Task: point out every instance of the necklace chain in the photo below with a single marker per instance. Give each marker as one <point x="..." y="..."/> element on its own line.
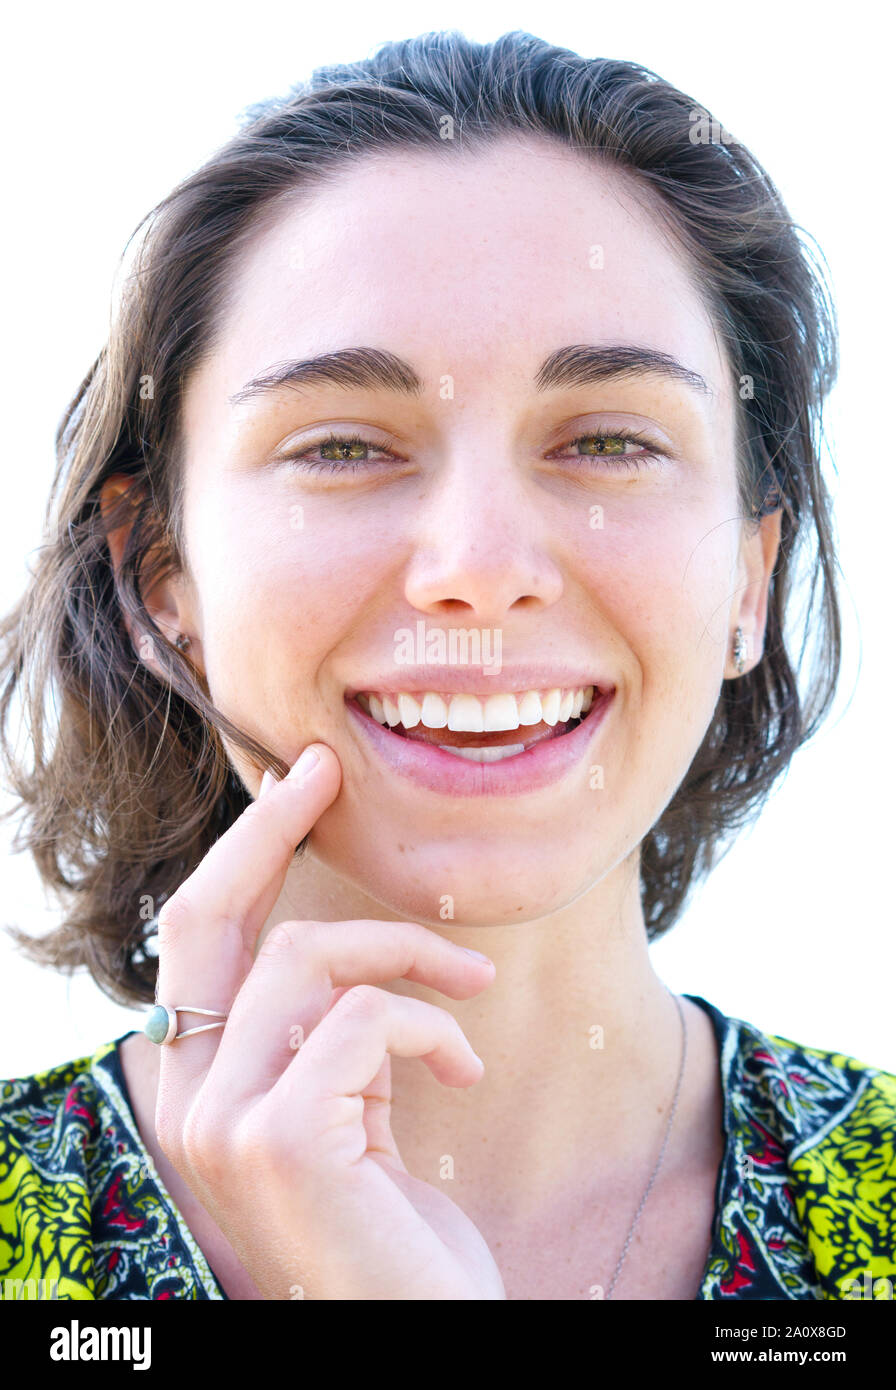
<point x="684" y="1053"/>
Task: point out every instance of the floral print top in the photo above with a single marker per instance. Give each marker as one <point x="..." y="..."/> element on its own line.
<point x="805" y="1194"/>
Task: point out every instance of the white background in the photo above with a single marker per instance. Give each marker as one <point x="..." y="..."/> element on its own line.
<point x="106" y="107"/>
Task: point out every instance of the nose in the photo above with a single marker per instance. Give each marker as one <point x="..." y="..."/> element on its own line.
<point x="481" y="549"/>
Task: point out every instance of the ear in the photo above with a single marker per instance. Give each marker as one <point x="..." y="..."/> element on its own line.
<point x="167" y="602"/>
<point x="756" y="562"/>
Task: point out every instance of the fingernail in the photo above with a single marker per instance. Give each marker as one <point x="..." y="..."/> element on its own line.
<point x="477" y="954"/>
<point x="309" y="759"/>
<point x="267" y="781"/>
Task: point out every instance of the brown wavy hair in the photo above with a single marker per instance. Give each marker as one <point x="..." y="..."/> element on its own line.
<point x="129" y="783"/>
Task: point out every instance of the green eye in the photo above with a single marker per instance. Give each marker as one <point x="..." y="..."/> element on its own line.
<point x="342" y="448"/>
<point x="604" y="445"/>
<point x="344" y="451"/>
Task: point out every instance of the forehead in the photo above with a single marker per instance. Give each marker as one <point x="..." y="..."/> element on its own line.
<point x="479" y="262"/>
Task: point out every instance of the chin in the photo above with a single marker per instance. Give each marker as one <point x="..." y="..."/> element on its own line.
<point x="466" y="879"/>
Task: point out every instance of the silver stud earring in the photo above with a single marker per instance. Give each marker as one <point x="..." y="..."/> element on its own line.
<point x="181" y="641"/>
<point x="740" y="650"/>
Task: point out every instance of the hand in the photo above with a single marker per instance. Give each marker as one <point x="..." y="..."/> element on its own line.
<point x="290" y="1149"/>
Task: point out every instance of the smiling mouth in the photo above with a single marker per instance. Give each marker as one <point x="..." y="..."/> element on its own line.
<point x="500" y="727"/>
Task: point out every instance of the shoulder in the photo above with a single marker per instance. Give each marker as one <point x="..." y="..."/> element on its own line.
<point x="49" y="1125"/>
<point x="801" y="1090"/>
<point x="37" y="1111"/>
<point x="843" y="1167"/>
<point x="825" y="1122"/>
<point x="83" y="1212"/>
<point x="45" y="1088"/>
<point x="817" y="1098"/>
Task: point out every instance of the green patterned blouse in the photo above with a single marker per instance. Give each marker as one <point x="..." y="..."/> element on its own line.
<point x="805" y="1195"/>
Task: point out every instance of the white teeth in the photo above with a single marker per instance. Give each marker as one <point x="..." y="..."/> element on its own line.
<point x="434" y="712"/>
<point x="468" y="714"/>
<point x="390" y="710"/>
<point x="530" y="708"/>
<point x="550" y="706"/>
<point x="409" y="711"/>
<point x="485" y="755"/>
<point x="465" y="715"/>
<point x="501" y="712"/>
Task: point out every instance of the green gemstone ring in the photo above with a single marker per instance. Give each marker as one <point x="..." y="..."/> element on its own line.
<point x="161" y="1025"/>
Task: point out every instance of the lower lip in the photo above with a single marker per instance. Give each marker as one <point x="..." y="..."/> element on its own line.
<point x="540" y="766"/>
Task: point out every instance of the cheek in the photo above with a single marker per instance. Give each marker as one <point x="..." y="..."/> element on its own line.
<point x="659" y="590"/>
<point x="281" y="582"/>
<point x="662" y="580"/>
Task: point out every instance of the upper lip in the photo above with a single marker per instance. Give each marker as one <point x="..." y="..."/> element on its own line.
<point x="463" y="680"/>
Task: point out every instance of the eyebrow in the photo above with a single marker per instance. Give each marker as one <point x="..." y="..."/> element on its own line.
<point x="374" y="369"/>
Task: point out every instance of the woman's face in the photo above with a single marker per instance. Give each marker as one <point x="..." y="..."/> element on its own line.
<point x="470" y="508"/>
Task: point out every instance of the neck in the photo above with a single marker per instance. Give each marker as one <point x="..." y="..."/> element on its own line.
<point x="580" y="1039"/>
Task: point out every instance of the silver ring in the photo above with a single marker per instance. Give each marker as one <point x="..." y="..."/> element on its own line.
<point x="161" y="1026"/>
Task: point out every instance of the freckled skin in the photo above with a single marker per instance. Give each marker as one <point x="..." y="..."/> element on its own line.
<point x="649" y="595"/>
<point x="477" y="270"/>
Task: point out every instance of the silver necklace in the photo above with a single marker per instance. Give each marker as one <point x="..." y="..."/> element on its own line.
<point x="684" y="1053"/>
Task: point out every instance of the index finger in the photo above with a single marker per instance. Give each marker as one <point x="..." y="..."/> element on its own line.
<point x="208" y="927"/>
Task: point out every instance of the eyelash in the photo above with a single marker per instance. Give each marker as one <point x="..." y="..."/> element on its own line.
<point x="618" y="463"/>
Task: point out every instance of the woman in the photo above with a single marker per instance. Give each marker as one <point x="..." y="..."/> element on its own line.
<point x="458" y="426"/>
